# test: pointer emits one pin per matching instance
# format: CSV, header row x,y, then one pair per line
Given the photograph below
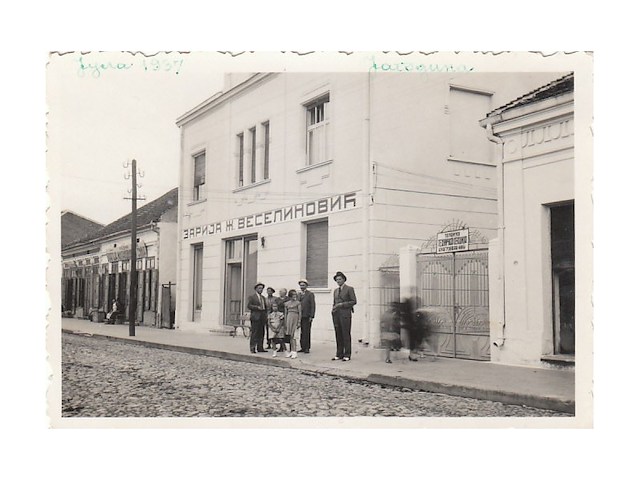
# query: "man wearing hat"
x,y
257,305
344,298
308,301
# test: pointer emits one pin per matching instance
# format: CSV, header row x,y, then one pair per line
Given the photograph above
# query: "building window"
x,y
467,140
197,281
254,166
265,132
125,265
317,253
199,167
318,130
114,267
240,150
139,264
150,263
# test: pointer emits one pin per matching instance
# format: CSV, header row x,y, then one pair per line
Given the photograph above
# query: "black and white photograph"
x,y
335,239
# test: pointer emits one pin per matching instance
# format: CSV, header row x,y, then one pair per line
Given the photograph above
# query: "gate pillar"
x,y
408,271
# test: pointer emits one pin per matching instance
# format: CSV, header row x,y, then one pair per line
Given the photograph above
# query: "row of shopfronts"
x,y
97,270
454,189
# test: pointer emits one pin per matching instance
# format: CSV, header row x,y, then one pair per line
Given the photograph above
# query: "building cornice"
x,y
532,114
221,98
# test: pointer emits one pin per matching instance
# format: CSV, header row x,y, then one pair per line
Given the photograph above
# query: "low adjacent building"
x,y
97,268
532,260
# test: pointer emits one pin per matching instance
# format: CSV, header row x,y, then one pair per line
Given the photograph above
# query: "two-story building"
x,y
96,269
298,175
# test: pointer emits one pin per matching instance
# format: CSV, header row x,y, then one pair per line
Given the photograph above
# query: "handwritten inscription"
x,y
96,69
417,67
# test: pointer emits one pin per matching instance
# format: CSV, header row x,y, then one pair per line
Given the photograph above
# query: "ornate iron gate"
x,y
453,295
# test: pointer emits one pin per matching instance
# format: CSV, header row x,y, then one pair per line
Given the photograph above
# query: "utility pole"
x,y
133,270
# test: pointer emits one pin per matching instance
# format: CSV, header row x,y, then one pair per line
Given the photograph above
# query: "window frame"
x,y
266,134
198,188
324,276
311,110
240,155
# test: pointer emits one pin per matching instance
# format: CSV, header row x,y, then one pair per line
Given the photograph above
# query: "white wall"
x,y
536,174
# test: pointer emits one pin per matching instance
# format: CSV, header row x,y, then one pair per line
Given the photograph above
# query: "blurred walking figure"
x,y
415,326
390,330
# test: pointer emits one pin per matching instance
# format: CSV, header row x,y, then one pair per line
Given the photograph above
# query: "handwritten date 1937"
x,y
96,69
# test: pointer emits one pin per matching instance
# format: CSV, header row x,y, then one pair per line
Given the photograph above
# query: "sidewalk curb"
x,y
511,398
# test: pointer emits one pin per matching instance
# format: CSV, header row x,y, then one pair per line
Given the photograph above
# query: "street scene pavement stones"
x,y
108,378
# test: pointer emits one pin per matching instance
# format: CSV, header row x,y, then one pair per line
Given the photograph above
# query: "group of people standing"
x,y
284,321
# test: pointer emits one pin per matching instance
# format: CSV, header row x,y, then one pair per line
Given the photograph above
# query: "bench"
x,y
240,322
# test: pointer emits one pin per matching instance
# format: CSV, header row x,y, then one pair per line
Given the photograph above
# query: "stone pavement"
x,y
533,387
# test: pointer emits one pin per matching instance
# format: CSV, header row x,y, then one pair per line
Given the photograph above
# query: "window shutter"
x,y
317,253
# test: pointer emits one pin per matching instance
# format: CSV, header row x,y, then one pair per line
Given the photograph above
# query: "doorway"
x,y
563,277
241,275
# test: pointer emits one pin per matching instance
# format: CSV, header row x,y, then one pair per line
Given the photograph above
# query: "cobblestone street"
x,y
107,378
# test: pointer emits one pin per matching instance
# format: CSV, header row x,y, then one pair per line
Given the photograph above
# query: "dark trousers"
x,y
305,334
342,327
266,333
256,341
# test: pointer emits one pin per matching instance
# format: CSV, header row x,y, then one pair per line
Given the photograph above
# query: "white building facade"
x,y
532,259
299,175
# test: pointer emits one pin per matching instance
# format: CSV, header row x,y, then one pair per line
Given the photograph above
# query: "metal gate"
x,y
453,293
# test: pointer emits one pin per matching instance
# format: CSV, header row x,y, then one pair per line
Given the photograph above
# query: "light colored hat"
x,y
304,280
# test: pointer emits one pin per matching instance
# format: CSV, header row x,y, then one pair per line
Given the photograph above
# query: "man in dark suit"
x,y
257,305
344,298
308,301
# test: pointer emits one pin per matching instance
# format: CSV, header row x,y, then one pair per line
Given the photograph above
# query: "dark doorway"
x,y
563,270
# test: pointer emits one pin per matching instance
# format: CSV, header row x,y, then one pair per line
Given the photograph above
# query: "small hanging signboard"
x,y
455,241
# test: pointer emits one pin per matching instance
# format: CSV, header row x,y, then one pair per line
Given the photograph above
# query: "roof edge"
x,y
222,97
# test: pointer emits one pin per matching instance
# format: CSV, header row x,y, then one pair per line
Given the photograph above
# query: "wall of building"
x,y
538,166
417,184
278,100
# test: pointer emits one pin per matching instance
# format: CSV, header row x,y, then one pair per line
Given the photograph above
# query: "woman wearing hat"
x,y
344,298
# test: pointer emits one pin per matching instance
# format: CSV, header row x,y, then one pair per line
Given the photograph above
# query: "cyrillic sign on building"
x,y
338,203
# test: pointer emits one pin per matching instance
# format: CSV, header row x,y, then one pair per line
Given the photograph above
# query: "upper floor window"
x,y
254,158
199,167
240,150
254,144
318,130
265,137
468,141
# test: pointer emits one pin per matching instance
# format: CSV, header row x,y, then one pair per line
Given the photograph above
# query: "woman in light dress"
x,y
292,315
